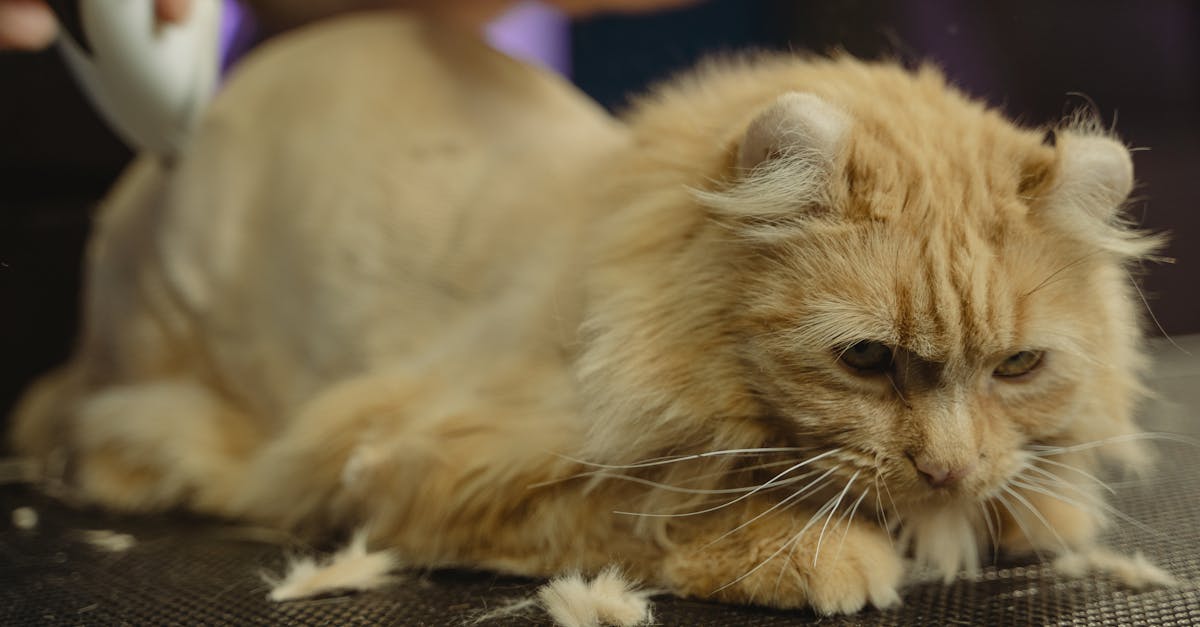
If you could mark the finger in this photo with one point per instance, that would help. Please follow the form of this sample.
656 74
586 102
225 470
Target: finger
172 10
587 7
471 14
26 25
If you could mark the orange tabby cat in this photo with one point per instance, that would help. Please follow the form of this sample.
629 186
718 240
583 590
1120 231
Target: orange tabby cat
787 322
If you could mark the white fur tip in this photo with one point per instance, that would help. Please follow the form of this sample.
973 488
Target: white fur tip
884 597
785 158
1097 168
109 540
609 599
351 569
795 122
1095 176
1134 572
25 518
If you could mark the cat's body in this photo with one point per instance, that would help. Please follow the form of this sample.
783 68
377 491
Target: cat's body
402 282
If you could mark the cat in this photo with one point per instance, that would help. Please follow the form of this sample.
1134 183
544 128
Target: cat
786 323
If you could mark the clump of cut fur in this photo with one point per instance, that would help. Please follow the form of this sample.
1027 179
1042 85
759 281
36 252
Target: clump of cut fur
108 540
25 518
353 569
608 599
1136 571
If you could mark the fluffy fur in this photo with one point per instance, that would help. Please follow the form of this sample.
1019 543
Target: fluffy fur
1134 572
108 540
573 601
402 282
25 518
352 568
608 599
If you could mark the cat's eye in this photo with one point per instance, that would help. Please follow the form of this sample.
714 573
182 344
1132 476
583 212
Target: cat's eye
867 357
1018 364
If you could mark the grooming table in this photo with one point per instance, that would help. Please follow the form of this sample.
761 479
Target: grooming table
185 570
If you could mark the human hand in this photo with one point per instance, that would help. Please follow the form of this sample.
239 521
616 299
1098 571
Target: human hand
30 24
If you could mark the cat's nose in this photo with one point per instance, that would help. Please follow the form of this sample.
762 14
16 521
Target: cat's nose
940 474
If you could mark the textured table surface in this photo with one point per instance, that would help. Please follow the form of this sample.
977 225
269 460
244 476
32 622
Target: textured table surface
187 571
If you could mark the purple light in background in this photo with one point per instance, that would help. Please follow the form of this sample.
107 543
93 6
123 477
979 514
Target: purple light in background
238 32
536 33
530 31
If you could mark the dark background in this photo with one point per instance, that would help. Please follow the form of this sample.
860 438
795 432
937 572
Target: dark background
1037 60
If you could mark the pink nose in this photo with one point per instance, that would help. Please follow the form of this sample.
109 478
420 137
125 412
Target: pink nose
938 474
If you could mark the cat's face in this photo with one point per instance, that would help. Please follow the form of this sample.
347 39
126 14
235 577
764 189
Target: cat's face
930 359
930 314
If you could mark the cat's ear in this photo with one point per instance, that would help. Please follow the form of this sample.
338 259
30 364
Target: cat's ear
795 124
785 159
1092 180
1094 173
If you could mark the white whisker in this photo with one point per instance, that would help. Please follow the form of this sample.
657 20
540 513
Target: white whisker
725 473
1038 514
821 538
1049 479
1041 486
782 547
1041 450
603 474
794 541
1150 312
887 490
1020 524
849 521
1094 502
684 458
887 525
992 535
1100 482
747 495
798 494
770 485
999 528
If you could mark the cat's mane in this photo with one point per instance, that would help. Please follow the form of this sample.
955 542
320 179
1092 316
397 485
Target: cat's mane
686 233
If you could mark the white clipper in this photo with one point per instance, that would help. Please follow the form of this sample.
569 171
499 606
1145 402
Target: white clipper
149 80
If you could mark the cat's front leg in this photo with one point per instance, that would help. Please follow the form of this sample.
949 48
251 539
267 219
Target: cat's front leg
789 560
1039 520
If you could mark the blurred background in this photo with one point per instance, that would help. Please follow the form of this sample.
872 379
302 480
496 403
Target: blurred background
1137 63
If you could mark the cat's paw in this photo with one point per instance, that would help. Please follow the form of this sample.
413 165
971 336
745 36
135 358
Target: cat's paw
157 445
868 571
854 567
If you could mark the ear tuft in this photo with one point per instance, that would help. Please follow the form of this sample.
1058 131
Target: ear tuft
1095 171
794 123
785 160
1093 180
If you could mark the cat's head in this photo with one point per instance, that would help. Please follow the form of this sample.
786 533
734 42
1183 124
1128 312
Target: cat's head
857 258
929 288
